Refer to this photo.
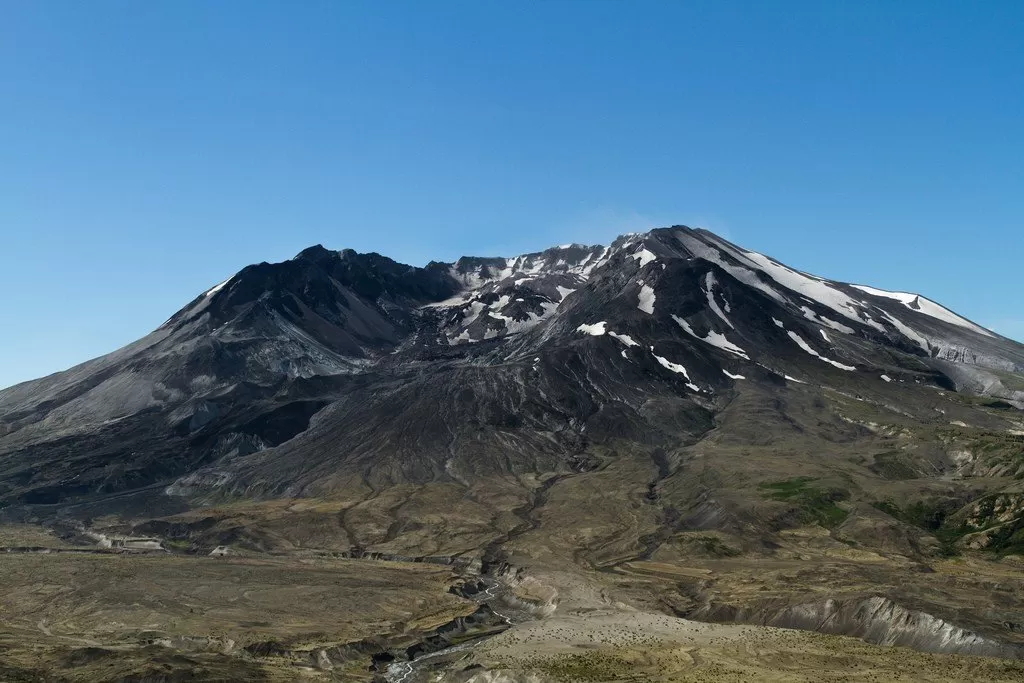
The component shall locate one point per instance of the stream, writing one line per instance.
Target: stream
(411, 671)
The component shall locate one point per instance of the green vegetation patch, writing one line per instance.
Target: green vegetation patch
(937, 517)
(1008, 539)
(1004, 514)
(930, 515)
(177, 544)
(817, 505)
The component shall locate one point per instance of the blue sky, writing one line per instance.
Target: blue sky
(149, 150)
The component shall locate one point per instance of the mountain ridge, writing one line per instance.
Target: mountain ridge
(320, 253)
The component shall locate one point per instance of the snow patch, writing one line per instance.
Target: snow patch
(473, 313)
(732, 376)
(677, 368)
(595, 330)
(644, 256)
(807, 347)
(216, 288)
(822, 320)
(887, 378)
(646, 303)
(586, 270)
(714, 339)
(624, 338)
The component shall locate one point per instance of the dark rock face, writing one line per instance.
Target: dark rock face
(337, 368)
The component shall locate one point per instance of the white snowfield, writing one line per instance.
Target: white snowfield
(920, 304)
(601, 329)
(644, 256)
(714, 338)
(802, 290)
(624, 338)
(646, 303)
(596, 330)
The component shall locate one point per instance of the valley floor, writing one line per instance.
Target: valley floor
(110, 616)
(157, 616)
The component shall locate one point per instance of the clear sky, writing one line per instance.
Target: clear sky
(150, 149)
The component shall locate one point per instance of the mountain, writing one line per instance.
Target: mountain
(483, 366)
(613, 408)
